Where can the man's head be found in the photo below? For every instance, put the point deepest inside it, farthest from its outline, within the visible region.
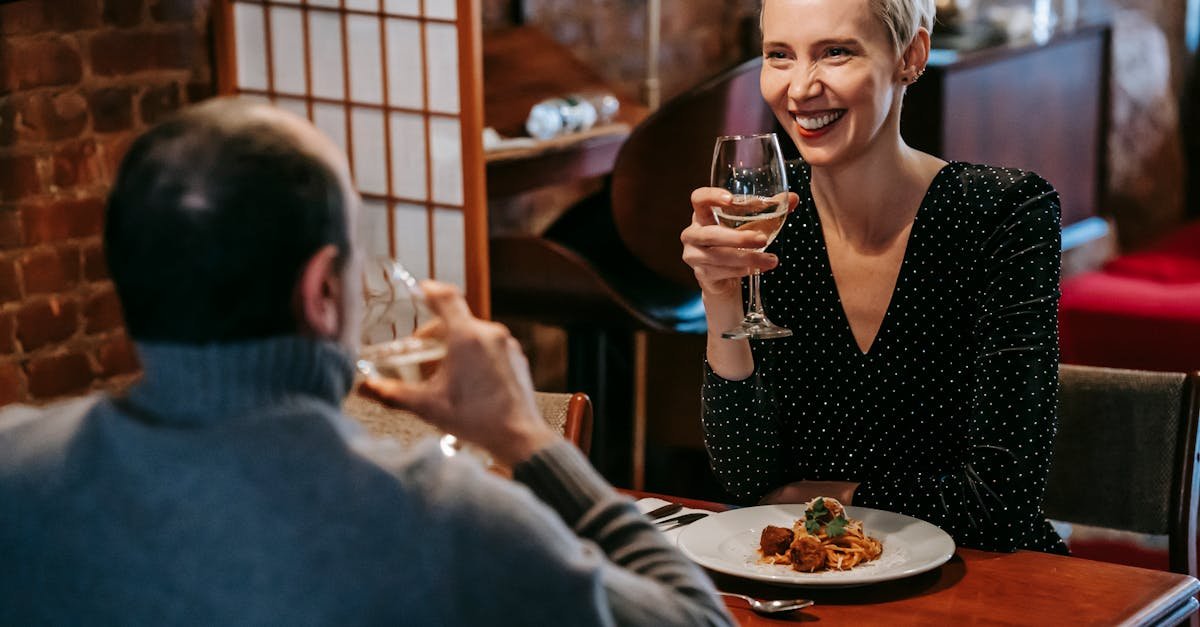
(232, 221)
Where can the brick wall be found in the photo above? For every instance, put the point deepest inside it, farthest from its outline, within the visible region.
(78, 80)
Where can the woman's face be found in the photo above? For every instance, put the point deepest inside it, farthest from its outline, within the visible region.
(831, 75)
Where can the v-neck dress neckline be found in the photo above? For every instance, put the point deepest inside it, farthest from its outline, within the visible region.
(830, 282)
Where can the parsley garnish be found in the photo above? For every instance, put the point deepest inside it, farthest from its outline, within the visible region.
(836, 527)
(818, 511)
(813, 516)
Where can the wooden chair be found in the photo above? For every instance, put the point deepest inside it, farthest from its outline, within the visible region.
(1125, 455)
(569, 415)
(609, 270)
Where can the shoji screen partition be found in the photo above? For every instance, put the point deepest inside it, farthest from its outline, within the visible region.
(397, 84)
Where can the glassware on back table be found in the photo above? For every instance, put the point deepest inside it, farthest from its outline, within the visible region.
(751, 168)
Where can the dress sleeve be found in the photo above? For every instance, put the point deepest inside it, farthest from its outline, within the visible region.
(992, 500)
(741, 432)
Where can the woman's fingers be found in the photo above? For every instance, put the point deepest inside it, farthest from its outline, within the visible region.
(709, 236)
(703, 201)
(728, 258)
(719, 236)
(713, 274)
(718, 254)
(793, 201)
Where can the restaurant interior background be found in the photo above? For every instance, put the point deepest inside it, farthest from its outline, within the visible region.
(80, 78)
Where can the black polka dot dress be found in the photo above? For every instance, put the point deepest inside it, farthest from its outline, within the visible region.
(950, 416)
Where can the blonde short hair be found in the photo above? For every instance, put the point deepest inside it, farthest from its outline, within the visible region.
(903, 18)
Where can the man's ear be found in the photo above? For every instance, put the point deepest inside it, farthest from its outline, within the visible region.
(317, 301)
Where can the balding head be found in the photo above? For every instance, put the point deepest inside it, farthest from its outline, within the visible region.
(214, 214)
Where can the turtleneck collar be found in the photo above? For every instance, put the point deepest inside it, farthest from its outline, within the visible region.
(215, 382)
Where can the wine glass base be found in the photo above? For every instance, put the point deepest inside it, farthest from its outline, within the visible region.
(761, 329)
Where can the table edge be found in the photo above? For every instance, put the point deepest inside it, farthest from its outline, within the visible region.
(1182, 594)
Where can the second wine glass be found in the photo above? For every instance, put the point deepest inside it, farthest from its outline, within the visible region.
(751, 168)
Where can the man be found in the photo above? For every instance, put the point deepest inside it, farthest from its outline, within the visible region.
(227, 489)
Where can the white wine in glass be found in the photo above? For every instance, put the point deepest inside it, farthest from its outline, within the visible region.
(751, 168)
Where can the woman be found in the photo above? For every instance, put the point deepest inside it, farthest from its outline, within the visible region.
(922, 374)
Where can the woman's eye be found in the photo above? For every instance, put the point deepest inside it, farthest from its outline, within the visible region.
(774, 54)
(838, 52)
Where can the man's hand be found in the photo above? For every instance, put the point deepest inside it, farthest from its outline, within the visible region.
(482, 392)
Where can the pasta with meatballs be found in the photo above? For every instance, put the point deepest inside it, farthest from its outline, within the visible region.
(825, 539)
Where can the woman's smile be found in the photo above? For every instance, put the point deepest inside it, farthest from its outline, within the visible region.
(816, 123)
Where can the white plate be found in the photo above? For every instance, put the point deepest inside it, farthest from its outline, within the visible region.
(727, 542)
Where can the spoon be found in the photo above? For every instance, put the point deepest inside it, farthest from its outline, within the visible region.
(773, 606)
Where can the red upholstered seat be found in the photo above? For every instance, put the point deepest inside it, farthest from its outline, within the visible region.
(1140, 311)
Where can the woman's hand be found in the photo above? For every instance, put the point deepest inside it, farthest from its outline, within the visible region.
(720, 256)
(805, 491)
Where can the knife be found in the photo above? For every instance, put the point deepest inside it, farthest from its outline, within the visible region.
(679, 521)
(665, 510)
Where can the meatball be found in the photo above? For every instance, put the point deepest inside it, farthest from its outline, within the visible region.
(807, 554)
(775, 540)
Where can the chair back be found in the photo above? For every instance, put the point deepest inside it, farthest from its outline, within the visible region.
(669, 154)
(1125, 455)
(568, 414)
(1189, 127)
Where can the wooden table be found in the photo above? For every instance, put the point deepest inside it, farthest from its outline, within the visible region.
(1022, 588)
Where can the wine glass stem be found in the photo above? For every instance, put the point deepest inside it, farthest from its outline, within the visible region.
(756, 308)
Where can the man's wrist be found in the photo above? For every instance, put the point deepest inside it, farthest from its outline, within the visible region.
(561, 476)
(524, 442)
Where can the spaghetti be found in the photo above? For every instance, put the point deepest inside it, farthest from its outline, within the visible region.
(823, 540)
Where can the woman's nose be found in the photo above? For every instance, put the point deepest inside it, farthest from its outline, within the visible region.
(805, 83)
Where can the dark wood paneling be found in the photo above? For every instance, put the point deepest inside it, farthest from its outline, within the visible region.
(1040, 108)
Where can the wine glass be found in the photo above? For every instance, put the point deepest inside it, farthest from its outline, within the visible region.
(751, 168)
(393, 310)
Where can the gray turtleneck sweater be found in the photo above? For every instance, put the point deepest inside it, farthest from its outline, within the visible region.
(227, 489)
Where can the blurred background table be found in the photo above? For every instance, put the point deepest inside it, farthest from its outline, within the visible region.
(522, 66)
